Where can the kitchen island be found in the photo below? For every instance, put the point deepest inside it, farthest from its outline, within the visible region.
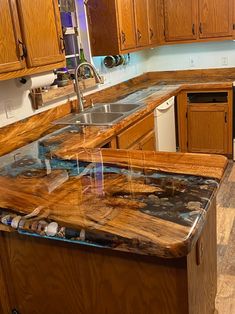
(107, 231)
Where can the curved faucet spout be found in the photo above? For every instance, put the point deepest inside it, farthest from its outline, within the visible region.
(78, 91)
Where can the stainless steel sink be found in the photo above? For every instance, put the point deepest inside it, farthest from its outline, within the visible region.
(91, 118)
(101, 114)
(123, 108)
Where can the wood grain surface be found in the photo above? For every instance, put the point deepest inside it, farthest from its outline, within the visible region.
(196, 164)
(25, 131)
(91, 202)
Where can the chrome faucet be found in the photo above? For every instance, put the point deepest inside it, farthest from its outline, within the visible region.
(77, 89)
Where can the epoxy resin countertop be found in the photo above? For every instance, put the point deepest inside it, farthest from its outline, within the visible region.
(143, 202)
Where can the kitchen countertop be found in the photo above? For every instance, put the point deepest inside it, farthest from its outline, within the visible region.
(148, 92)
(148, 203)
(142, 202)
(160, 86)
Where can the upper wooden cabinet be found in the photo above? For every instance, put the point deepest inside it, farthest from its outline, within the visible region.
(121, 26)
(126, 18)
(30, 37)
(190, 20)
(180, 20)
(141, 19)
(10, 38)
(154, 21)
(41, 31)
(215, 18)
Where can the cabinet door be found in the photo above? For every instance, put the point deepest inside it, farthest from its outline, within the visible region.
(153, 22)
(215, 18)
(42, 31)
(207, 128)
(180, 19)
(10, 38)
(141, 20)
(148, 142)
(134, 133)
(126, 24)
(145, 143)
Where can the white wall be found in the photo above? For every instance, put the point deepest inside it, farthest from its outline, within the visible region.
(136, 66)
(192, 56)
(174, 57)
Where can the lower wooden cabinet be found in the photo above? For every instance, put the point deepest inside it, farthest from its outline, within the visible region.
(47, 276)
(205, 121)
(138, 136)
(207, 129)
(145, 143)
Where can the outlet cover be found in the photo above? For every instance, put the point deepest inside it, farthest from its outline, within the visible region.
(9, 108)
(224, 61)
(192, 62)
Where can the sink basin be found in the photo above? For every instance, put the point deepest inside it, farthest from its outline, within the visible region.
(91, 118)
(101, 114)
(123, 108)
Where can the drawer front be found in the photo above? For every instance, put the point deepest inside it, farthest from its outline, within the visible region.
(135, 132)
(145, 143)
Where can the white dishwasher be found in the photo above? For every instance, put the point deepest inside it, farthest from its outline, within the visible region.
(164, 120)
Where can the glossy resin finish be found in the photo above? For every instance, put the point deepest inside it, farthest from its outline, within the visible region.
(142, 202)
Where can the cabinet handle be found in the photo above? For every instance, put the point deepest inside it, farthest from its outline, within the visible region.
(193, 29)
(151, 33)
(139, 34)
(225, 117)
(22, 49)
(200, 28)
(62, 44)
(123, 36)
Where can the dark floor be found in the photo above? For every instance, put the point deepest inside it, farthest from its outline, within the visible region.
(225, 301)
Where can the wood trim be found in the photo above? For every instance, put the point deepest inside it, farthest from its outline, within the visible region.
(182, 121)
(230, 122)
(207, 75)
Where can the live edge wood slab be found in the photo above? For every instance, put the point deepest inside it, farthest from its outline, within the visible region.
(143, 202)
(137, 231)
